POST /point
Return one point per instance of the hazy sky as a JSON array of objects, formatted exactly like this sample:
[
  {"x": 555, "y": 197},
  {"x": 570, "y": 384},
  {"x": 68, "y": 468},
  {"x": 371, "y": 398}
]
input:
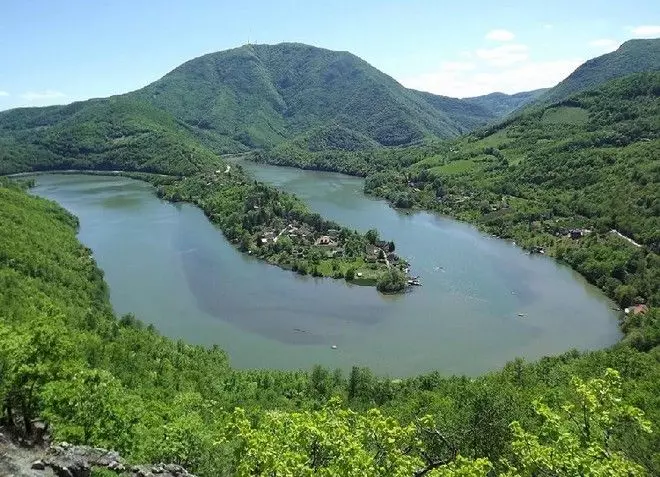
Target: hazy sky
[{"x": 55, "y": 52}]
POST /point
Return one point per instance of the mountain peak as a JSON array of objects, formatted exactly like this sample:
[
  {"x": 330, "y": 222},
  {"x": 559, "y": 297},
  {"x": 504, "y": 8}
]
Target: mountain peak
[{"x": 258, "y": 95}]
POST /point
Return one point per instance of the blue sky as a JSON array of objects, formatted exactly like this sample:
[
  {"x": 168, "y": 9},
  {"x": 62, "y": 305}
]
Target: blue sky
[{"x": 55, "y": 52}]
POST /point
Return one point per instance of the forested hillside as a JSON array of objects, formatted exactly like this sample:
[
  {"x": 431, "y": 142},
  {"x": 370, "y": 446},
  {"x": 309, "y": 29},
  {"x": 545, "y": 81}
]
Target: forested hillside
[
  {"x": 104, "y": 134},
  {"x": 578, "y": 179},
  {"x": 260, "y": 95},
  {"x": 634, "y": 56},
  {"x": 117, "y": 383}
]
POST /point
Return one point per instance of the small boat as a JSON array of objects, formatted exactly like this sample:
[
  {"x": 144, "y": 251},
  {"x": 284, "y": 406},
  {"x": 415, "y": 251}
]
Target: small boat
[
  {"x": 333, "y": 346},
  {"x": 522, "y": 315}
]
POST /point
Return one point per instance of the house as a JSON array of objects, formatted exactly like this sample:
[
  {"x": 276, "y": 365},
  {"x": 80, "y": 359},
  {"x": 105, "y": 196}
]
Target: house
[
  {"x": 578, "y": 233},
  {"x": 637, "y": 310},
  {"x": 324, "y": 240}
]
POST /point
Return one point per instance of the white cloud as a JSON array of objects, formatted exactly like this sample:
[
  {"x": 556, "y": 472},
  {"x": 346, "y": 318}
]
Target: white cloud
[
  {"x": 458, "y": 66},
  {"x": 500, "y": 35},
  {"x": 4, "y": 93},
  {"x": 46, "y": 95},
  {"x": 605, "y": 44},
  {"x": 504, "y": 55},
  {"x": 646, "y": 31},
  {"x": 483, "y": 80},
  {"x": 507, "y": 68}
]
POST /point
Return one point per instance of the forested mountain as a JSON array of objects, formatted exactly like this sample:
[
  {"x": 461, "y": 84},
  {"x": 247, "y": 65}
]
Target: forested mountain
[
  {"x": 260, "y": 95},
  {"x": 106, "y": 134},
  {"x": 634, "y": 56},
  {"x": 250, "y": 97},
  {"x": 500, "y": 105}
]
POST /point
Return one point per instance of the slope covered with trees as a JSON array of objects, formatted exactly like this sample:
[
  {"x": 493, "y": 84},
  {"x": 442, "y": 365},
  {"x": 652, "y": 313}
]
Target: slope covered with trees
[
  {"x": 111, "y": 381},
  {"x": 634, "y": 56},
  {"x": 577, "y": 179},
  {"x": 103, "y": 134},
  {"x": 501, "y": 105},
  {"x": 260, "y": 95}
]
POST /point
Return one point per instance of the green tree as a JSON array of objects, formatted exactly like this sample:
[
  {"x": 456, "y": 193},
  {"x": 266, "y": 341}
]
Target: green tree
[
  {"x": 336, "y": 442},
  {"x": 92, "y": 407},
  {"x": 371, "y": 236},
  {"x": 32, "y": 354},
  {"x": 580, "y": 439},
  {"x": 392, "y": 281}
]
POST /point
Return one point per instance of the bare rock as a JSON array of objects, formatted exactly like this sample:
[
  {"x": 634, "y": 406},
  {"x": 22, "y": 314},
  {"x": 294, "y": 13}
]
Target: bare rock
[{"x": 67, "y": 460}]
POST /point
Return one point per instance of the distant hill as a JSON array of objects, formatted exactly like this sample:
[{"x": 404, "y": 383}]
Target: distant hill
[
  {"x": 634, "y": 56},
  {"x": 500, "y": 104},
  {"x": 468, "y": 114},
  {"x": 105, "y": 134},
  {"x": 291, "y": 98},
  {"x": 261, "y": 95}
]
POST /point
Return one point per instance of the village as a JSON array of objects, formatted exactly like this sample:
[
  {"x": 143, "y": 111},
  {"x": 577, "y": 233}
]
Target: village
[{"x": 360, "y": 258}]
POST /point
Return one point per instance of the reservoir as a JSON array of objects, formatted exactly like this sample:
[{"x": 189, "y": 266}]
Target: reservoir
[{"x": 483, "y": 301}]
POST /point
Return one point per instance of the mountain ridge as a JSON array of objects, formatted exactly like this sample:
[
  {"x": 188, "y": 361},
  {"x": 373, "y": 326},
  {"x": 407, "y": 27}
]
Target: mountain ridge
[
  {"x": 260, "y": 95},
  {"x": 633, "y": 56},
  {"x": 266, "y": 96}
]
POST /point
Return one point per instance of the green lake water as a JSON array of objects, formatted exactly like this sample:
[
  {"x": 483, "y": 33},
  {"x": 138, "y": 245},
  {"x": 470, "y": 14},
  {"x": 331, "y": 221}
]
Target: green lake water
[{"x": 167, "y": 264}]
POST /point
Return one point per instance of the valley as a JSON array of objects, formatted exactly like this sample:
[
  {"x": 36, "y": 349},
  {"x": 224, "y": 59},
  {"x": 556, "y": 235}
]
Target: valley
[{"x": 530, "y": 220}]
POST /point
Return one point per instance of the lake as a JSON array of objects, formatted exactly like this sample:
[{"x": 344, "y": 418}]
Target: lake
[{"x": 170, "y": 266}]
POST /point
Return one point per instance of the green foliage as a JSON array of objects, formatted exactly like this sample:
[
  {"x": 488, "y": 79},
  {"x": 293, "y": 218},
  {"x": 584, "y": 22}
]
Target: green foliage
[
  {"x": 392, "y": 281},
  {"x": 335, "y": 441},
  {"x": 92, "y": 407},
  {"x": 578, "y": 439}
]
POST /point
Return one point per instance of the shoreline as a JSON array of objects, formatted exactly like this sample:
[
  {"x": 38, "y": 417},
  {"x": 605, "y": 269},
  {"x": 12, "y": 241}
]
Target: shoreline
[{"x": 328, "y": 267}]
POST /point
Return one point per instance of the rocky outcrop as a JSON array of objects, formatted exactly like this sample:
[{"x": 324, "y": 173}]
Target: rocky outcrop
[{"x": 66, "y": 460}]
